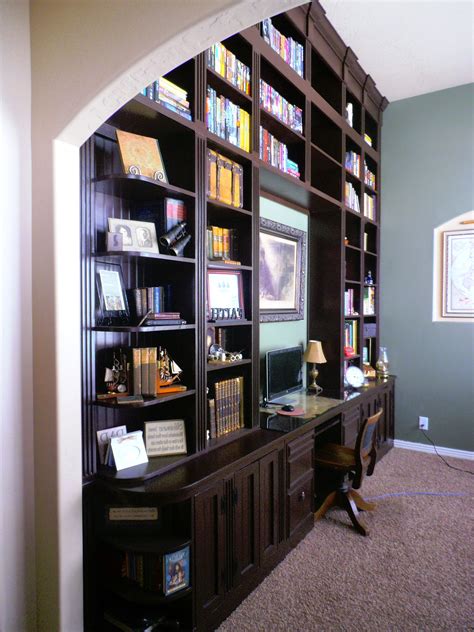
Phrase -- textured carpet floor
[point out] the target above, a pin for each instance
(412, 573)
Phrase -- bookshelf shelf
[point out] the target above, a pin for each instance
(222, 145)
(219, 366)
(352, 247)
(326, 155)
(226, 88)
(221, 206)
(146, 543)
(280, 173)
(214, 265)
(141, 106)
(143, 255)
(279, 129)
(131, 592)
(146, 329)
(151, 401)
(139, 188)
(230, 323)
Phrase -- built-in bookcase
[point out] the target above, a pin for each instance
(344, 240)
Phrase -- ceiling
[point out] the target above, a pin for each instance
(409, 47)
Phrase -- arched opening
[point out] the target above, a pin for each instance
(56, 244)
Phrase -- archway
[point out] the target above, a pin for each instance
(61, 123)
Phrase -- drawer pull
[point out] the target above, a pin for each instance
(302, 496)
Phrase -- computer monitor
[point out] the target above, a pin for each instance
(283, 372)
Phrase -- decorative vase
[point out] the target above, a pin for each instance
(382, 364)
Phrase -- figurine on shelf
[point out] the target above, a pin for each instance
(369, 279)
(218, 354)
(168, 374)
(116, 377)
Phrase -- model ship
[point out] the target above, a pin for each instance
(168, 375)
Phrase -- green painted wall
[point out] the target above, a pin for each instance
(427, 173)
(288, 333)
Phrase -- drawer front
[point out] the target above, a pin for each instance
(301, 444)
(350, 426)
(300, 465)
(300, 504)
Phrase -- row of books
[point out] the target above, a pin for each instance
(369, 177)
(351, 197)
(352, 163)
(368, 139)
(167, 213)
(222, 244)
(369, 206)
(349, 309)
(224, 179)
(351, 332)
(224, 338)
(170, 96)
(369, 301)
(226, 409)
(226, 64)
(289, 50)
(145, 299)
(275, 153)
(227, 120)
(273, 102)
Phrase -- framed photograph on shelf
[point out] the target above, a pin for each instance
(112, 304)
(136, 236)
(165, 438)
(176, 570)
(282, 272)
(141, 156)
(225, 295)
(458, 274)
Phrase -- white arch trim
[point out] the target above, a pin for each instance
(463, 222)
(56, 273)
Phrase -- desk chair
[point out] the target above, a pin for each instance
(351, 464)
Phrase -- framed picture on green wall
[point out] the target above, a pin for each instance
(458, 273)
(282, 272)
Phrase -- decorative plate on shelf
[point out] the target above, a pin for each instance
(355, 377)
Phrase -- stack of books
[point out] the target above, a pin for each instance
(273, 102)
(369, 206)
(351, 197)
(275, 153)
(169, 95)
(291, 51)
(369, 301)
(353, 163)
(225, 179)
(351, 332)
(226, 410)
(149, 299)
(227, 120)
(222, 244)
(226, 64)
(369, 177)
(349, 303)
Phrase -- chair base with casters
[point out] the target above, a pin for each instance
(350, 465)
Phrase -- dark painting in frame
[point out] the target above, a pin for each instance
(112, 305)
(282, 259)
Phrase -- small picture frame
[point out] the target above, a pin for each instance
(112, 304)
(176, 573)
(141, 156)
(225, 294)
(136, 236)
(165, 438)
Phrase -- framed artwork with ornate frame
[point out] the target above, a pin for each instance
(282, 272)
(458, 274)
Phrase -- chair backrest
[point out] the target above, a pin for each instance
(365, 452)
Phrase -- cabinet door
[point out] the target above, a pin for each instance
(209, 543)
(246, 523)
(350, 426)
(269, 506)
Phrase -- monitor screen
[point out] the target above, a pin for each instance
(284, 372)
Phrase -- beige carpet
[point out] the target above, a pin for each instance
(412, 573)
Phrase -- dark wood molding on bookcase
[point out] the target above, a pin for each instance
(244, 477)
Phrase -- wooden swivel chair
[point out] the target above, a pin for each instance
(351, 464)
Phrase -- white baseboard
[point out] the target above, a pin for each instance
(423, 447)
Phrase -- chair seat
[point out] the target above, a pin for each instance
(337, 457)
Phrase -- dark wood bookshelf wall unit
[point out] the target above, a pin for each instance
(229, 498)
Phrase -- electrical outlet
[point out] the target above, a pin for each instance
(423, 423)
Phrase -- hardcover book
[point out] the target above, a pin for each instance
(141, 155)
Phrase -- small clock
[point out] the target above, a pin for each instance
(355, 377)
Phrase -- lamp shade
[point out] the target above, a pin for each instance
(314, 352)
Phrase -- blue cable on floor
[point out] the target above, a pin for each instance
(396, 494)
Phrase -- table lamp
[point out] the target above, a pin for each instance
(314, 354)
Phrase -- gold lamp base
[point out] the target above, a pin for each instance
(313, 387)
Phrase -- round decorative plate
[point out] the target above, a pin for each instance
(355, 377)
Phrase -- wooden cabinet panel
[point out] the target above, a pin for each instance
(269, 505)
(209, 518)
(300, 458)
(246, 534)
(300, 504)
(350, 426)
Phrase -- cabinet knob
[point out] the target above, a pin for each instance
(302, 496)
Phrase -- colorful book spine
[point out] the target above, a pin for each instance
(351, 197)
(369, 177)
(227, 120)
(226, 64)
(289, 49)
(275, 153)
(370, 207)
(275, 104)
(352, 163)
